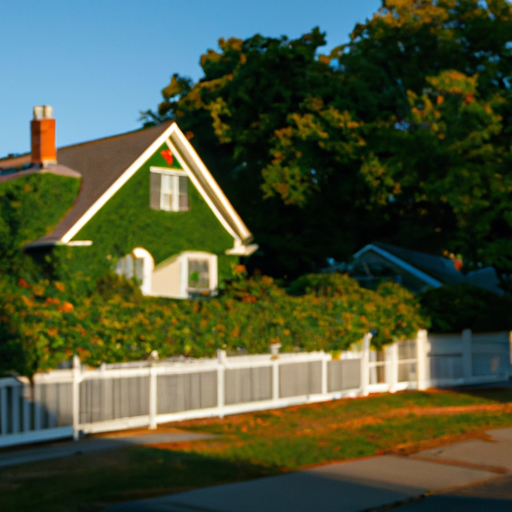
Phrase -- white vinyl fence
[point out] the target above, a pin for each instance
(63, 403)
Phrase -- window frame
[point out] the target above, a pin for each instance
(175, 189)
(213, 277)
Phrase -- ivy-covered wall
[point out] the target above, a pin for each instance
(126, 221)
(30, 207)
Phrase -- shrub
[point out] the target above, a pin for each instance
(463, 306)
(43, 323)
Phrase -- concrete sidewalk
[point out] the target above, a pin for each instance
(91, 444)
(356, 486)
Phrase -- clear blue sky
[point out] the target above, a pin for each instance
(99, 62)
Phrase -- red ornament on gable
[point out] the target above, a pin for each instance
(167, 156)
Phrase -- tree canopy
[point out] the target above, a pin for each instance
(402, 135)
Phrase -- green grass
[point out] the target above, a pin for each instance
(254, 445)
(83, 483)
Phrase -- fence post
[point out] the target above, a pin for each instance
(392, 366)
(76, 397)
(421, 359)
(325, 358)
(221, 369)
(467, 356)
(365, 363)
(26, 407)
(152, 395)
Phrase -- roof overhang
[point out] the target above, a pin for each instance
(243, 250)
(400, 263)
(42, 243)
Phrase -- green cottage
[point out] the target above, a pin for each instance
(147, 207)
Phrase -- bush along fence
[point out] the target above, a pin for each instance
(64, 403)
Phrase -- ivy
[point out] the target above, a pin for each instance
(43, 323)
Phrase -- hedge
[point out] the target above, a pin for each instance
(463, 306)
(42, 323)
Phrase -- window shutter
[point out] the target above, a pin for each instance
(183, 194)
(154, 190)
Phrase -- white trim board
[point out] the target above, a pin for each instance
(202, 191)
(213, 184)
(401, 263)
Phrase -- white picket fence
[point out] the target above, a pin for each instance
(63, 403)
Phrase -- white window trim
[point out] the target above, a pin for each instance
(147, 268)
(184, 257)
(175, 207)
(163, 170)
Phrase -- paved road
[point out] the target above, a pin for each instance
(468, 476)
(88, 445)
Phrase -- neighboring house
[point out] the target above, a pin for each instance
(147, 207)
(415, 270)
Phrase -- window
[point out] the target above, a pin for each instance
(198, 274)
(168, 190)
(129, 266)
(138, 264)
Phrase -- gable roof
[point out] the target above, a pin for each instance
(434, 270)
(441, 269)
(106, 164)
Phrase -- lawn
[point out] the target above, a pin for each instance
(254, 445)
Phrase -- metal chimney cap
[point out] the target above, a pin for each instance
(43, 112)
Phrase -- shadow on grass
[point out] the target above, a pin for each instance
(499, 392)
(89, 482)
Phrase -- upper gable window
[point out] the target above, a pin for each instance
(168, 190)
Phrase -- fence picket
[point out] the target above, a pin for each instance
(3, 411)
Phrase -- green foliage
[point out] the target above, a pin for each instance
(431, 83)
(264, 121)
(401, 135)
(39, 328)
(390, 312)
(126, 222)
(30, 207)
(454, 308)
(43, 323)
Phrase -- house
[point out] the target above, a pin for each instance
(416, 270)
(147, 207)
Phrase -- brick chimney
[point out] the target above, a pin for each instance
(42, 128)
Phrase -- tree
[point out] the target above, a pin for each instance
(402, 135)
(432, 80)
(258, 117)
